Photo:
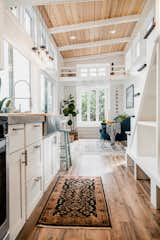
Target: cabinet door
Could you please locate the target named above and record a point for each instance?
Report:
(16, 137)
(33, 132)
(47, 162)
(16, 192)
(34, 161)
(34, 193)
(33, 176)
(55, 153)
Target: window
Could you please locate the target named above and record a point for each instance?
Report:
(46, 94)
(6, 74)
(101, 72)
(21, 82)
(84, 72)
(93, 71)
(15, 79)
(91, 104)
(28, 22)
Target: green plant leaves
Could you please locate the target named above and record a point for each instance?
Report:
(74, 114)
(65, 112)
(69, 122)
(2, 102)
(71, 107)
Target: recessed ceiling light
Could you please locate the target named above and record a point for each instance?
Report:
(112, 31)
(73, 37)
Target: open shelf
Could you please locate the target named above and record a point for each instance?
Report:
(147, 164)
(147, 123)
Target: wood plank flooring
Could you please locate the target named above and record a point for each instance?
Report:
(132, 215)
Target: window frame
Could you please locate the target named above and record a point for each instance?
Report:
(47, 80)
(92, 71)
(80, 91)
(28, 13)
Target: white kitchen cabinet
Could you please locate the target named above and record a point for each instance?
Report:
(33, 133)
(56, 153)
(34, 161)
(16, 137)
(16, 192)
(34, 176)
(48, 163)
(51, 158)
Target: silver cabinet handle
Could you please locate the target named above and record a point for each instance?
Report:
(36, 126)
(37, 179)
(37, 146)
(17, 129)
(26, 159)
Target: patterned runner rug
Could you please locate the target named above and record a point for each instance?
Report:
(76, 202)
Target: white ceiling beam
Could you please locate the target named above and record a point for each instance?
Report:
(93, 57)
(41, 2)
(94, 24)
(94, 44)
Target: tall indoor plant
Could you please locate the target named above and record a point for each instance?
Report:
(69, 110)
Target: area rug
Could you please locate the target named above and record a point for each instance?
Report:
(76, 202)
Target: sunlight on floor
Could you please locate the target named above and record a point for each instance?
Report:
(97, 159)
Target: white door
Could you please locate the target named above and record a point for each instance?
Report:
(16, 192)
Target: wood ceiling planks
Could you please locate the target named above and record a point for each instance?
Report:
(94, 51)
(95, 34)
(64, 14)
(74, 13)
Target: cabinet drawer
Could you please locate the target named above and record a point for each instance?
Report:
(34, 161)
(33, 132)
(34, 193)
(16, 137)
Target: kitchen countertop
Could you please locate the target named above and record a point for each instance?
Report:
(20, 118)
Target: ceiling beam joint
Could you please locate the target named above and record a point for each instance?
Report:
(94, 24)
(94, 44)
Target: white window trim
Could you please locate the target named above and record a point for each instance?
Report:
(95, 66)
(81, 123)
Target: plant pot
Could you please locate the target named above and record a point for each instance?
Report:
(73, 136)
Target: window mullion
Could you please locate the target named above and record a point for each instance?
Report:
(97, 106)
(80, 106)
(88, 104)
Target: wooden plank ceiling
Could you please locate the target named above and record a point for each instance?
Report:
(58, 15)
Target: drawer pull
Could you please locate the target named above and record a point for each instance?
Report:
(17, 129)
(36, 126)
(25, 156)
(38, 146)
(37, 179)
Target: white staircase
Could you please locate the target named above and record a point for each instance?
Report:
(144, 147)
(143, 151)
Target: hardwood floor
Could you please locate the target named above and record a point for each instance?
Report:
(132, 215)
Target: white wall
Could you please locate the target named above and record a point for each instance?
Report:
(117, 59)
(14, 33)
(133, 63)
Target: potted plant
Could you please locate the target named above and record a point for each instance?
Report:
(4, 105)
(69, 110)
